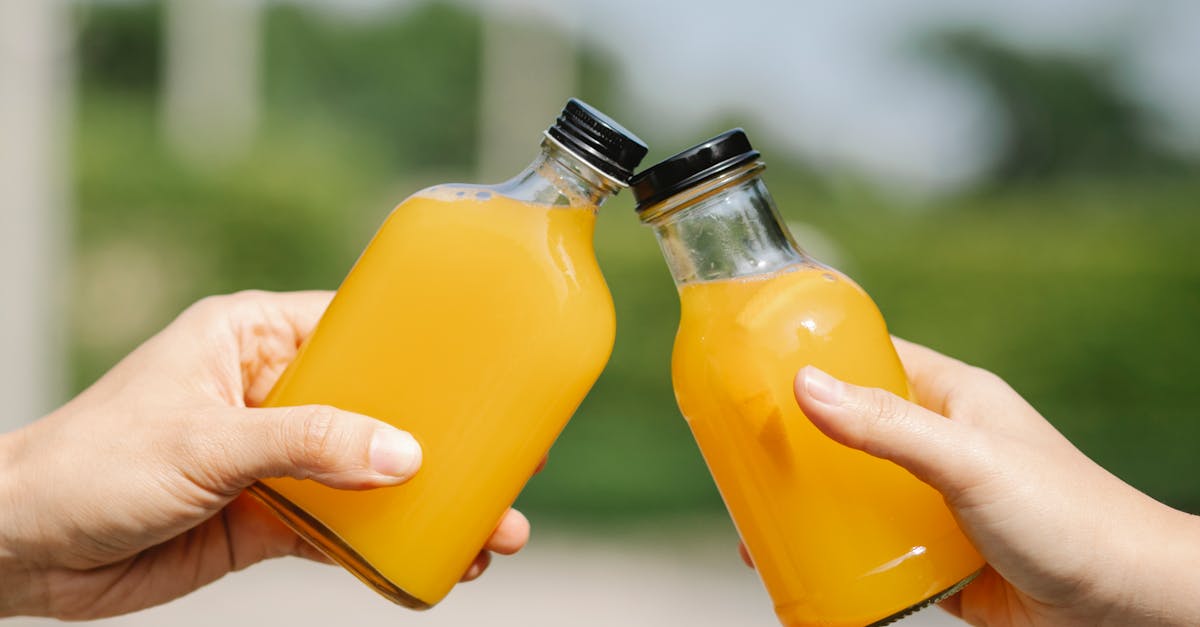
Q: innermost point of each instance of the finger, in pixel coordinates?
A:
(337, 448)
(251, 311)
(952, 604)
(882, 424)
(934, 376)
(270, 328)
(478, 566)
(298, 311)
(923, 357)
(745, 553)
(510, 535)
(954, 388)
(311, 553)
(249, 532)
(301, 309)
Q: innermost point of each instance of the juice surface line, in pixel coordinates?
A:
(477, 319)
(837, 536)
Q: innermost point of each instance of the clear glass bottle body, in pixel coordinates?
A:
(477, 320)
(838, 537)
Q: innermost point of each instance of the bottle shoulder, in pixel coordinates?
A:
(490, 241)
(802, 285)
(807, 304)
(748, 337)
(453, 192)
(501, 194)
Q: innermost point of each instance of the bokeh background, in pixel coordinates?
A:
(1015, 183)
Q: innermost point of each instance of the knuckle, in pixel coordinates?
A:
(885, 407)
(973, 393)
(984, 377)
(221, 304)
(209, 305)
(205, 312)
(959, 406)
(246, 296)
(880, 410)
(176, 437)
(975, 465)
(316, 447)
(194, 444)
(981, 449)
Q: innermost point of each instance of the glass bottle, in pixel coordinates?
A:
(838, 537)
(477, 320)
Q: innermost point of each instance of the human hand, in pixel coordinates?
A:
(132, 493)
(1067, 542)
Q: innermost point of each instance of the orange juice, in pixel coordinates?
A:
(839, 537)
(394, 360)
(477, 319)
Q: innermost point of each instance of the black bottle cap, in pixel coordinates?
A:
(702, 162)
(598, 140)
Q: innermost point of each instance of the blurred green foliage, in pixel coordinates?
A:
(414, 81)
(119, 46)
(1061, 115)
(1082, 290)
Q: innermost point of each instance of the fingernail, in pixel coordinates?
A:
(822, 387)
(394, 453)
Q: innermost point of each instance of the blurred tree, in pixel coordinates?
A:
(410, 80)
(119, 45)
(1093, 321)
(1061, 115)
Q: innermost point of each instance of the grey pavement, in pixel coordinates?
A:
(649, 578)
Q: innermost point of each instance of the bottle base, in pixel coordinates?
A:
(329, 543)
(941, 596)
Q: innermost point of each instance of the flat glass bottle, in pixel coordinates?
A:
(838, 537)
(477, 319)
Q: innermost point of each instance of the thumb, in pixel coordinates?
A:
(334, 447)
(879, 423)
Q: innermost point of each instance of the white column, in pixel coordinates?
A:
(211, 79)
(34, 241)
(529, 71)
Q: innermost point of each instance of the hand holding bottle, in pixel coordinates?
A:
(1067, 542)
(131, 494)
(839, 538)
(477, 318)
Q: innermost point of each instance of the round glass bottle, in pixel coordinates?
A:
(838, 537)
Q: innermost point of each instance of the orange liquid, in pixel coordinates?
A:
(838, 537)
(477, 323)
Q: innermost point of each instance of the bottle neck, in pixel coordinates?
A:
(558, 178)
(724, 229)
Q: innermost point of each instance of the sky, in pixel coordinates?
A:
(840, 83)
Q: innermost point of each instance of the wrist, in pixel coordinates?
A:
(1179, 579)
(15, 582)
(1163, 584)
